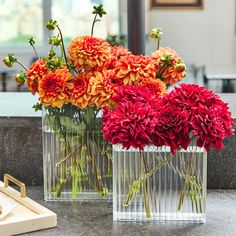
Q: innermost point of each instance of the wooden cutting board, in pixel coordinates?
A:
(27, 216)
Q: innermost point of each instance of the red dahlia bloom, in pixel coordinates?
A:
(208, 116)
(171, 128)
(208, 126)
(129, 124)
(134, 94)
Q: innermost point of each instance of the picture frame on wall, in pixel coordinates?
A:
(176, 4)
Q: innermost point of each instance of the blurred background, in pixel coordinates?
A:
(203, 36)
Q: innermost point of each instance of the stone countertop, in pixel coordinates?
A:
(79, 218)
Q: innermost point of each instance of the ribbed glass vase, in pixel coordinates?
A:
(153, 185)
(77, 161)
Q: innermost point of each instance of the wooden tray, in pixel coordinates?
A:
(28, 215)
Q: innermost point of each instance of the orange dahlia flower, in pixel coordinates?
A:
(86, 52)
(133, 69)
(171, 75)
(170, 67)
(80, 93)
(54, 87)
(103, 86)
(35, 73)
(156, 85)
(116, 53)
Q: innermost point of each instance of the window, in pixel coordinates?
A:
(76, 18)
(23, 18)
(20, 19)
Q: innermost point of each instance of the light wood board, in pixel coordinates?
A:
(27, 216)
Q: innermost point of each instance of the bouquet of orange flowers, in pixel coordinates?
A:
(74, 87)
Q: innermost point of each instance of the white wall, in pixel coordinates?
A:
(200, 36)
(203, 37)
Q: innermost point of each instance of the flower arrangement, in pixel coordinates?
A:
(147, 115)
(188, 113)
(73, 87)
(138, 111)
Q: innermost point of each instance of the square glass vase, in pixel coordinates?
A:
(77, 161)
(153, 185)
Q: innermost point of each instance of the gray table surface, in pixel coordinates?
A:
(79, 218)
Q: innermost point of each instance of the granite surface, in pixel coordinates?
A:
(21, 149)
(77, 218)
(221, 165)
(21, 154)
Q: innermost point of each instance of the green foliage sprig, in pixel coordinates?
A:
(97, 11)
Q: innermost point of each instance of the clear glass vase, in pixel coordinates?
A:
(77, 161)
(153, 185)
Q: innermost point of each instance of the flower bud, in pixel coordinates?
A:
(56, 41)
(153, 33)
(156, 33)
(180, 68)
(31, 41)
(99, 10)
(51, 24)
(7, 62)
(20, 78)
(51, 54)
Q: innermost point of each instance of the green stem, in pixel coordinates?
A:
(146, 200)
(94, 21)
(93, 164)
(158, 44)
(76, 178)
(192, 186)
(145, 190)
(63, 47)
(62, 181)
(22, 65)
(37, 55)
(136, 185)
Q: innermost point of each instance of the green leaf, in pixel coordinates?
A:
(37, 107)
(71, 125)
